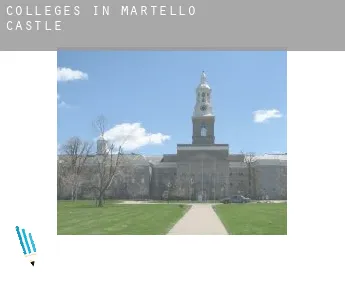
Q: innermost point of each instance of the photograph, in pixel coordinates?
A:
(171, 142)
(136, 120)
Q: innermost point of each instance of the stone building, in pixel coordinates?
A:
(202, 170)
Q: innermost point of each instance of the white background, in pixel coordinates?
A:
(316, 158)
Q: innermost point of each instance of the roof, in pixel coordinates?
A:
(154, 159)
(271, 159)
(128, 158)
(234, 159)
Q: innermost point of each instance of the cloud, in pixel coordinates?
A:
(67, 74)
(134, 136)
(64, 105)
(261, 116)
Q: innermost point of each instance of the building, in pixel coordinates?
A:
(202, 170)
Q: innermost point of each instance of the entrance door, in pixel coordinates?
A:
(200, 197)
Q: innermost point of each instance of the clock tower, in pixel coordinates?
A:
(203, 118)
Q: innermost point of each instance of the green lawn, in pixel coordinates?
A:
(83, 218)
(254, 219)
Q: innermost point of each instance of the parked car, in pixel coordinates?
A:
(235, 199)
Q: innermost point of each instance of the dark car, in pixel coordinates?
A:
(235, 199)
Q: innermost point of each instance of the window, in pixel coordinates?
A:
(203, 130)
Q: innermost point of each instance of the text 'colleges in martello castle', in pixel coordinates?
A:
(15, 14)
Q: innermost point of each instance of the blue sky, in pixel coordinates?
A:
(152, 94)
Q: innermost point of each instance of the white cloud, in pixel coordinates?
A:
(67, 74)
(64, 105)
(134, 136)
(261, 116)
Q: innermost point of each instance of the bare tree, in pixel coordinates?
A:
(249, 158)
(100, 125)
(283, 182)
(176, 191)
(71, 165)
(107, 165)
(60, 178)
(110, 164)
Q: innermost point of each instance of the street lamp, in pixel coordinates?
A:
(142, 187)
(223, 188)
(214, 187)
(169, 185)
(190, 184)
(180, 189)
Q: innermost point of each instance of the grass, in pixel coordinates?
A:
(254, 219)
(83, 218)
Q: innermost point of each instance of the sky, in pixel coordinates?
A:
(149, 97)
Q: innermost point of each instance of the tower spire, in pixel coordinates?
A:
(203, 79)
(101, 145)
(203, 103)
(203, 118)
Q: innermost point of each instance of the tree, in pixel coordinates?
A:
(100, 125)
(72, 164)
(165, 195)
(169, 185)
(249, 159)
(283, 182)
(60, 178)
(109, 164)
(174, 187)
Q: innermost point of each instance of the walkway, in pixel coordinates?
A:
(199, 220)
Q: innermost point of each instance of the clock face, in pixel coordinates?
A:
(203, 108)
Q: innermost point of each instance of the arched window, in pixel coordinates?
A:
(203, 130)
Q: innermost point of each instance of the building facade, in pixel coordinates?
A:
(202, 170)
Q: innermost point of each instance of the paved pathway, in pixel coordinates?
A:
(199, 220)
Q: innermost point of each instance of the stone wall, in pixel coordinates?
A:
(163, 179)
(271, 181)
